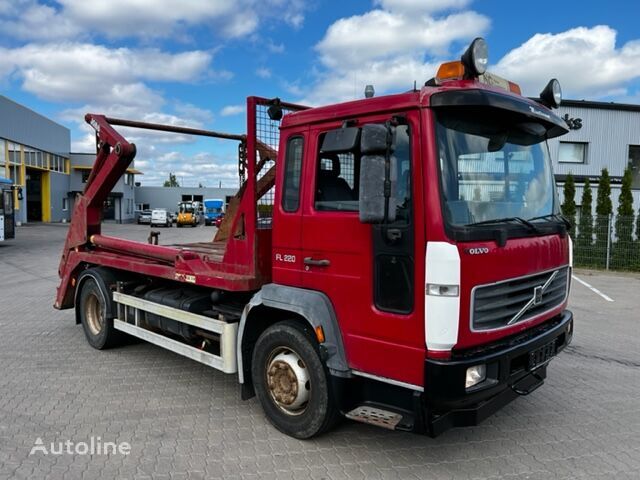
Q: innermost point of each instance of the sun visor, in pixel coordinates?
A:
(488, 105)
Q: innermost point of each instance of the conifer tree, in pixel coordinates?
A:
(584, 241)
(569, 204)
(604, 208)
(622, 251)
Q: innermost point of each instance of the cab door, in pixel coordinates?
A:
(287, 216)
(368, 271)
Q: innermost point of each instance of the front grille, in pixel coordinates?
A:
(500, 304)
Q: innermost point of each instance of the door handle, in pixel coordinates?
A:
(317, 263)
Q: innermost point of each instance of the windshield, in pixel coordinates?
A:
(186, 208)
(492, 171)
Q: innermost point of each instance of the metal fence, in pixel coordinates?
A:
(608, 242)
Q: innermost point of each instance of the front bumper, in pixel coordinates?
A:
(509, 374)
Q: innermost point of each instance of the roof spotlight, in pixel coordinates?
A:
(369, 91)
(275, 110)
(551, 96)
(476, 58)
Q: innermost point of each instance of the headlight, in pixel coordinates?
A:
(476, 57)
(475, 375)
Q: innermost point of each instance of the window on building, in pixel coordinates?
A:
(14, 153)
(634, 165)
(85, 175)
(572, 152)
(2, 153)
(65, 204)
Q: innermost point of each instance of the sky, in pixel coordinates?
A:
(194, 62)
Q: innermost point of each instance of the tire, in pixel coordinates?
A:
(284, 349)
(97, 325)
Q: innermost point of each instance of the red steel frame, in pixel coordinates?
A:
(242, 262)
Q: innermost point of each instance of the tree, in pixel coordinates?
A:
(603, 210)
(585, 227)
(624, 224)
(172, 182)
(569, 203)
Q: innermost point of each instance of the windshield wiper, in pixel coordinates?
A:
(519, 220)
(555, 216)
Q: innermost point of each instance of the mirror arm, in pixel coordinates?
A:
(387, 173)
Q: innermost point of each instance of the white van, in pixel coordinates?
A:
(160, 218)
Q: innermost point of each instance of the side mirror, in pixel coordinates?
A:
(372, 199)
(340, 140)
(374, 139)
(377, 199)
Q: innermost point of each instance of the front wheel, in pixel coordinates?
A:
(291, 382)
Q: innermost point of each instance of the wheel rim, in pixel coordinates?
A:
(93, 314)
(288, 381)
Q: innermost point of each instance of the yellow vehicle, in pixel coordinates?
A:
(188, 214)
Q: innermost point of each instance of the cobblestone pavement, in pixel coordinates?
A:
(184, 420)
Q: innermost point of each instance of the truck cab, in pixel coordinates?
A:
(464, 253)
(414, 274)
(213, 209)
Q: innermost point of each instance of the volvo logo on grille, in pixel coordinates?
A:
(537, 295)
(536, 299)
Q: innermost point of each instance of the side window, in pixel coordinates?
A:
(338, 176)
(403, 166)
(337, 181)
(292, 172)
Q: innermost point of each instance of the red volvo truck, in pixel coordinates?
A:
(398, 260)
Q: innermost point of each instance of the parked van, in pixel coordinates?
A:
(160, 218)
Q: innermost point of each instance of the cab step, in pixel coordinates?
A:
(380, 417)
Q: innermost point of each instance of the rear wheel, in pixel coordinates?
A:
(291, 382)
(97, 324)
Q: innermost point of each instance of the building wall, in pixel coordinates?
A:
(123, 192)
(169, 197)
(608, 133)
(59, 188)
(22, 125)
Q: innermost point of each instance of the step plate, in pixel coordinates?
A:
(375, 416)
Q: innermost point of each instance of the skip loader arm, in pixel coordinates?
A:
(114, 156)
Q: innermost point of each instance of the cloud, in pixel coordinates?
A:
(26, 19)
(422, 6)
(263, 72)
(191, 170)
(585, 60)
(230, 110)
(85, 72)
(72, 52)
(66, 19)
(384, 34)
(390, 47)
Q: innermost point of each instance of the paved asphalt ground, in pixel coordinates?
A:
(184, 420)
